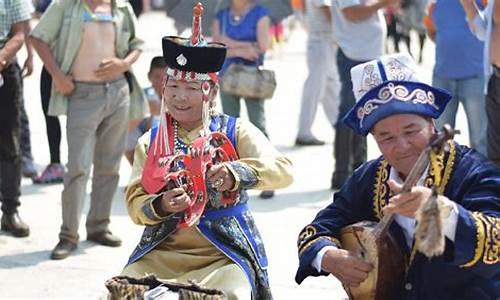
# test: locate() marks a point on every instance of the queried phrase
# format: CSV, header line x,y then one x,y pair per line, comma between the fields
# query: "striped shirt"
x,y
12,12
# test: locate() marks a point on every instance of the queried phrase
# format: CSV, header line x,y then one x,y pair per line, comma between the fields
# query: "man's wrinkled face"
x,y
401,138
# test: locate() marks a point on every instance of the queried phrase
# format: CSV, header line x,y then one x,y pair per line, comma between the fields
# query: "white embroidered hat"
x,y
389,86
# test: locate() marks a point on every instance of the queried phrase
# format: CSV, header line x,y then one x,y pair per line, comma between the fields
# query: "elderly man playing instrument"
x,y
198,226
399,111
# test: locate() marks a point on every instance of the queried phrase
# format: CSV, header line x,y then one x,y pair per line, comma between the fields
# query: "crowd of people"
x,y
88,48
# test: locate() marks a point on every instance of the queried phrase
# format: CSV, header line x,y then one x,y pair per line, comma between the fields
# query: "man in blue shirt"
x,y
486,27
459,68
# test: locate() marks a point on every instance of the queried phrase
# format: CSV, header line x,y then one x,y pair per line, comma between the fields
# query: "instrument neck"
x,y
384,224
411,180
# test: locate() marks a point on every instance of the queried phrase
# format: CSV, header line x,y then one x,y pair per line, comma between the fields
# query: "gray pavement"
x,y
26,270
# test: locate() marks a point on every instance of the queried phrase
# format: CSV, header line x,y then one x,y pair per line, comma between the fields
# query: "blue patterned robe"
x,y
230,228
468,269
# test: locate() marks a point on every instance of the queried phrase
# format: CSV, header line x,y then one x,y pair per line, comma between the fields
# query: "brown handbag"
x,y
249,81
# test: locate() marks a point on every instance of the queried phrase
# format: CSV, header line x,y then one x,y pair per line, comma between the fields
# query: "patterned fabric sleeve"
x,y
477,240
244,176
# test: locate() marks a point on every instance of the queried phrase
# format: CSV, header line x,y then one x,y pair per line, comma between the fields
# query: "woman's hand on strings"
x,y
220,177
175,200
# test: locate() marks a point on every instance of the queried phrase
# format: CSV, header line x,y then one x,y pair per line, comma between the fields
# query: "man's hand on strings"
x,y
406,204
347,268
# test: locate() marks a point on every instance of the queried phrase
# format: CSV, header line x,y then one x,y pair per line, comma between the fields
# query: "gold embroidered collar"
x,y
382,192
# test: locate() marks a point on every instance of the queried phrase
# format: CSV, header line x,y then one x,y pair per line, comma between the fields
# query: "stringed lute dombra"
x,y
373,242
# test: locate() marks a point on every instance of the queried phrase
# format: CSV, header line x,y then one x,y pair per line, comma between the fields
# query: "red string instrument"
x,y
164,169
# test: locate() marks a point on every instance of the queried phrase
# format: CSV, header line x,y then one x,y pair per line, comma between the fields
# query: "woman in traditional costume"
x,y
201,230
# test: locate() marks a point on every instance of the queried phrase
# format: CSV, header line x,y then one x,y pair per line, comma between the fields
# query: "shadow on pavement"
x,y
29,188
292,149
26,259
306,199
119,208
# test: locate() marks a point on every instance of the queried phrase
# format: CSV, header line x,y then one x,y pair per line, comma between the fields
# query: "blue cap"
x,y
390,86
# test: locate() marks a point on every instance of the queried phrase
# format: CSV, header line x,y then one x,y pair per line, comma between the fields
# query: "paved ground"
x,y
27,272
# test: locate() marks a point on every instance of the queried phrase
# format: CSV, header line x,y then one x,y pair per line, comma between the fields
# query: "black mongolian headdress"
x,y
193,58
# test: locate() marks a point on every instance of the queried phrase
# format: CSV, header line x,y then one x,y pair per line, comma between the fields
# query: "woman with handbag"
x,y
244,28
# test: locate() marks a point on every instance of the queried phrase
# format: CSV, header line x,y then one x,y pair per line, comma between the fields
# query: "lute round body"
x,y
382,251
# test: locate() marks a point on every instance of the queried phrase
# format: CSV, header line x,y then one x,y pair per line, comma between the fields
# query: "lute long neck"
x,y
411,180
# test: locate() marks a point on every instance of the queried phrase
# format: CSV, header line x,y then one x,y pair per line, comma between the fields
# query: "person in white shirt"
x,y
322,84
360,30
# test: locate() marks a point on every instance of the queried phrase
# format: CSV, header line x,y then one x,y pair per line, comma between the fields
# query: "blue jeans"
x,y
469,92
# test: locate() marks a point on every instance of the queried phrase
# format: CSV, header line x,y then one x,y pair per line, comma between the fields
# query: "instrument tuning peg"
x,y
449,132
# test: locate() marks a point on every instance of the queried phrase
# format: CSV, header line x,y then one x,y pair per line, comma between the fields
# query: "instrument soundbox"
x,y
372,241
164,169
365,240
